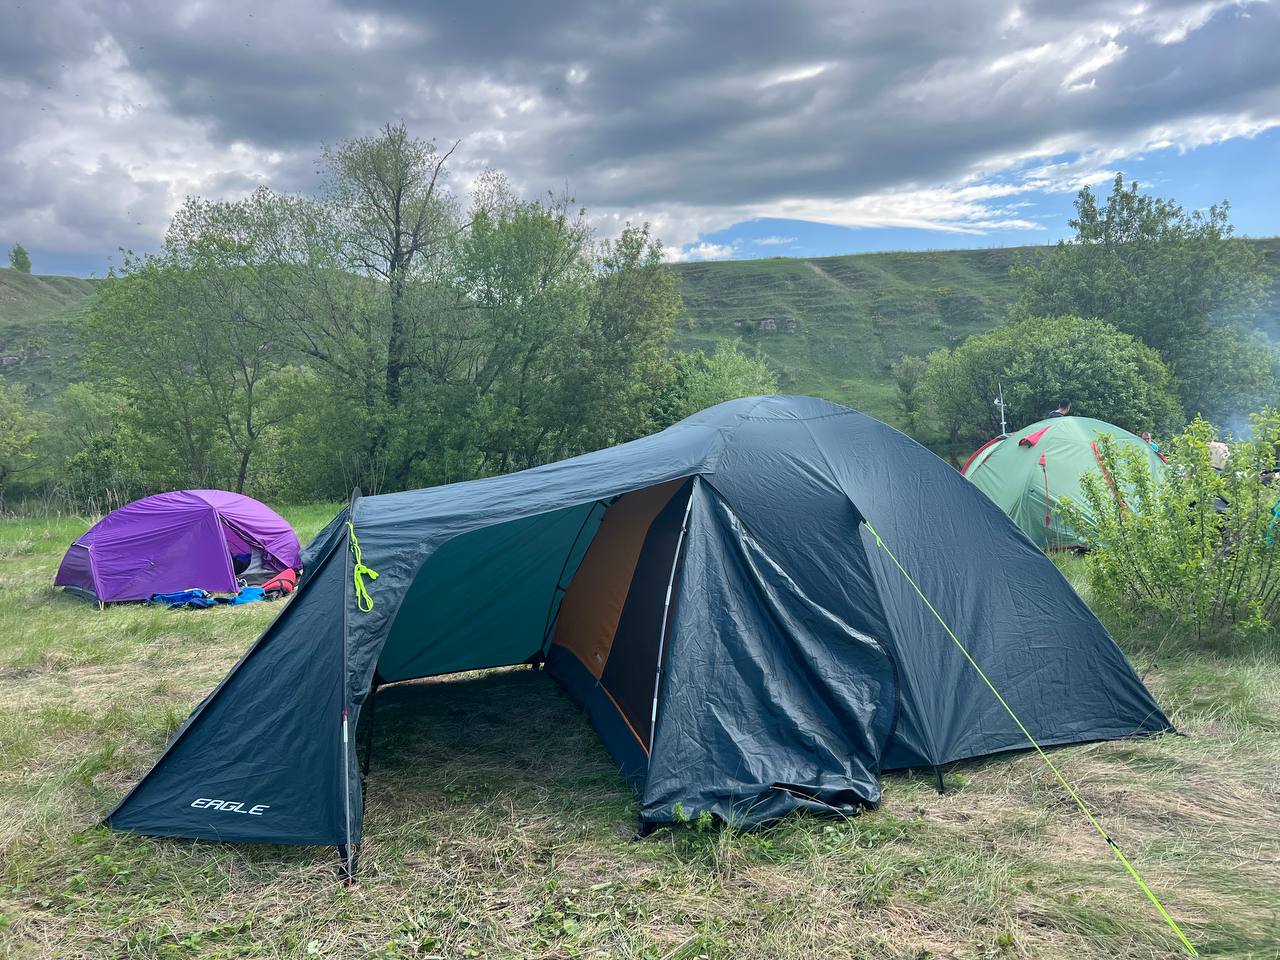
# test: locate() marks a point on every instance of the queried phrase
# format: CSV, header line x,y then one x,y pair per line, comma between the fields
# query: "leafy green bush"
x,y
16,432
698,380
1039,362
1198,547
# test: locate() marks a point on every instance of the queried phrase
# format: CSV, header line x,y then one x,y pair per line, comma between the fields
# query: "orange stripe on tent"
x,y
593,603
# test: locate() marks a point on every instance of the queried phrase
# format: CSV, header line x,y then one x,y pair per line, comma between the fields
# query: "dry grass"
x,y
497,826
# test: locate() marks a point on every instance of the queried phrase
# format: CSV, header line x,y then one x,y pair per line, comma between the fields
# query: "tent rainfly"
x,y
176,541
725,600
1029,473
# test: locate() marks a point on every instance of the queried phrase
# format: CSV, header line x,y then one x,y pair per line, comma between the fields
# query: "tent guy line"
x,y
1066,785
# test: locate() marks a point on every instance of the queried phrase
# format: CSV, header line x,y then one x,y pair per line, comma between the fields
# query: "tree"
x,y
700,380
523,277
17,432
396,218
908,375
946,396
1228,374
633,304
1197,545
359,280
278,262
105,459
1040,361
19,259
1179,281
177,338
557,346
374,336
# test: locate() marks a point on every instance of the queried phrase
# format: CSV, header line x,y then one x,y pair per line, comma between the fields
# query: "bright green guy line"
x,y
1173,924
359,571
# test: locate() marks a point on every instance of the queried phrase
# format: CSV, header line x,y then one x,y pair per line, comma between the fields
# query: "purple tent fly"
x,y
175,541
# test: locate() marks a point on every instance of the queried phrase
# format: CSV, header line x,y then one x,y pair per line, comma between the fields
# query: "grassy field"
x,y
497,826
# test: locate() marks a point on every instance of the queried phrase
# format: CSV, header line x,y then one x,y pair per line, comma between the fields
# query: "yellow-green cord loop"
x,y
358,572
1043,756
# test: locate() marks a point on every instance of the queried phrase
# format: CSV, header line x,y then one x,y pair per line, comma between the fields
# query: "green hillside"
x,y
38,315
831,326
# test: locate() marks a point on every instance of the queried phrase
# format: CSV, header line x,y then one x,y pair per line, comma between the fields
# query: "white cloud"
x,y
970,209
773,241
1075,78
108,166
1173,26
795,74
817,111
699,251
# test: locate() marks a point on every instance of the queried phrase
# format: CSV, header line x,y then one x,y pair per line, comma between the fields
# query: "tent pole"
x,y
551,606
347,850
368,737
666,612
937,772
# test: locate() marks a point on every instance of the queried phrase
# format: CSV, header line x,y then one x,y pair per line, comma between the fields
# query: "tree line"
x,y
1143,318
386,332
390,332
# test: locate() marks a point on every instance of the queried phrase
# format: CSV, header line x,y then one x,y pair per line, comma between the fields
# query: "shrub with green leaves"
x,y
1200,548
1036,363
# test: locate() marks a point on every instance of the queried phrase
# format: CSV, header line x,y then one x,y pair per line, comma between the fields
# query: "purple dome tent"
x,y
175,541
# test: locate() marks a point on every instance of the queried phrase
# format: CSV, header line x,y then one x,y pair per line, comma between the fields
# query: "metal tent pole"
x,y
666,613
347,850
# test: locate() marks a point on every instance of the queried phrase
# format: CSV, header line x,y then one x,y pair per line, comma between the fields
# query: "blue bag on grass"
x,y
183,598
248,595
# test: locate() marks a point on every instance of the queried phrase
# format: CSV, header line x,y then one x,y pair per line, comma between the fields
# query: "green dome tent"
x,y
1030,472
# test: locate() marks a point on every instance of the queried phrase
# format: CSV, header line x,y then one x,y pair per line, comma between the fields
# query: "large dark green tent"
x,y
715,598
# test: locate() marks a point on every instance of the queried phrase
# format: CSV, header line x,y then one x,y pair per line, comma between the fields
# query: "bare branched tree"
x,y
397,217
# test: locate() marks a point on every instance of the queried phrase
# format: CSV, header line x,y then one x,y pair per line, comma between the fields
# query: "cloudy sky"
x,y
737,129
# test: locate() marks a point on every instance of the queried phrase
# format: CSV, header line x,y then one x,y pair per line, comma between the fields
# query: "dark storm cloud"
x,y
691,114
36,44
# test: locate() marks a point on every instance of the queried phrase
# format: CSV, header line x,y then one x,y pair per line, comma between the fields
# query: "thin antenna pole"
x,y
1004,426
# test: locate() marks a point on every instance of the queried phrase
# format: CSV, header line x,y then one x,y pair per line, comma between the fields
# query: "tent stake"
x,y
347,865
937,772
